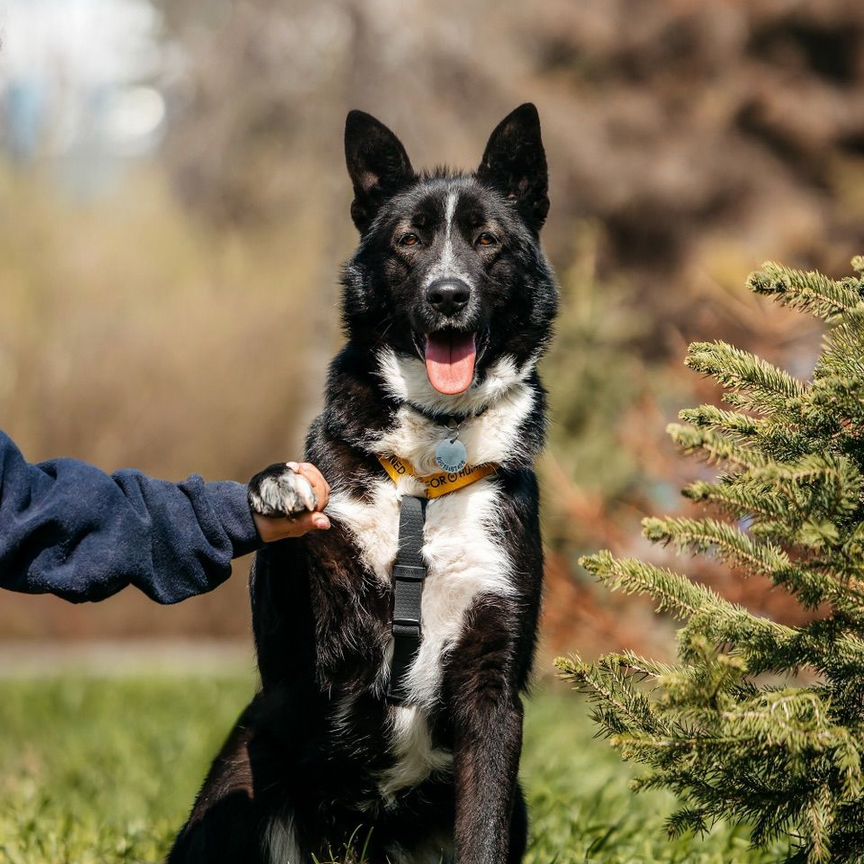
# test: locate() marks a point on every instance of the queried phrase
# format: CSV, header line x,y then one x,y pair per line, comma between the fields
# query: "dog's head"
x,y
449,286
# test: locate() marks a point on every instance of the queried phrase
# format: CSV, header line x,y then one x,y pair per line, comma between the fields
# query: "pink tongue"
x,y
450,362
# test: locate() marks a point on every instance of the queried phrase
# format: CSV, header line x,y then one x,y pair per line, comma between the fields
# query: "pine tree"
x,y
759,722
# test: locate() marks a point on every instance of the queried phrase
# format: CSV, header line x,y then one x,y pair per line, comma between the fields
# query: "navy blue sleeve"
x,y
69,529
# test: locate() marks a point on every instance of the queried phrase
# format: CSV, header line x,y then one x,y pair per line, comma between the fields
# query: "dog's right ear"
x,y
377,163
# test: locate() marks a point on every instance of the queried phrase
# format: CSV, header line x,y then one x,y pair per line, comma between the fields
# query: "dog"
x,y
448,305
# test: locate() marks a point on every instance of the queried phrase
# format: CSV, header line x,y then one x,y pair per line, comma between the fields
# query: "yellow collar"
x,y
438,484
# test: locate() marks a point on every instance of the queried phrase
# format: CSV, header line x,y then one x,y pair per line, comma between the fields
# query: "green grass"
x,y
104,771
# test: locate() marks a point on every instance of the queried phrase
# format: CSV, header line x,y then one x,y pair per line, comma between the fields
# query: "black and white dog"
x,y
448,306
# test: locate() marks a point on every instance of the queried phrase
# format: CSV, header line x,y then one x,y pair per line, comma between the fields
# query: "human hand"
x,y
286,500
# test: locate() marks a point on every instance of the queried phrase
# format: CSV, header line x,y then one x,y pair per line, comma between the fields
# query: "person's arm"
x,y
69,529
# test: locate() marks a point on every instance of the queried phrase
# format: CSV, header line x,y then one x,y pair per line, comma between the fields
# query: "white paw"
x,y
280,491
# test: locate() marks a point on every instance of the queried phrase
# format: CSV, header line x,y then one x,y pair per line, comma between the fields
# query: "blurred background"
x,y
174,213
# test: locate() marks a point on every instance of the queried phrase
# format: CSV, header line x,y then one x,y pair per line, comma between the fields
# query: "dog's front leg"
x,y
487,765
487,735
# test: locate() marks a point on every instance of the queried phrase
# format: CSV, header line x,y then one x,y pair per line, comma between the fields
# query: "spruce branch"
x,y
758,639
695,819
841,353
730,543
758,385
644,666
619,706
742,499
743,426
807,291
756,557
799,502
716,446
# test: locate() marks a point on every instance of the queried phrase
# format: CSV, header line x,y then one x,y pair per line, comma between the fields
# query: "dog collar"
x,y
443,419
440,483
451,456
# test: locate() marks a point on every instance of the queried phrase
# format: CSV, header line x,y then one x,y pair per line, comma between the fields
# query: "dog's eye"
x,y
409,239
486,239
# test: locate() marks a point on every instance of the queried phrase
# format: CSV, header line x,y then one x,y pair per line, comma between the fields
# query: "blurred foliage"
x,y
593,372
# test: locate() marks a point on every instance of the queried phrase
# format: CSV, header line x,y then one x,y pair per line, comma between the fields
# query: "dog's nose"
x,y
448,296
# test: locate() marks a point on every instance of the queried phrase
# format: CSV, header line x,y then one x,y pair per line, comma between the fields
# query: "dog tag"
x,y
451,455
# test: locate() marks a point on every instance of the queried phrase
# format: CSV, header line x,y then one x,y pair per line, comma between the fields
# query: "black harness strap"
x,y
409,572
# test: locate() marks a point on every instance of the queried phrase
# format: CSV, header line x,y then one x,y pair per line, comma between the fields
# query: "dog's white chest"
x,y
466,558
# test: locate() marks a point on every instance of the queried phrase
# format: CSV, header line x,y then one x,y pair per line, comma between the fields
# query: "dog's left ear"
x,y
377,163
515,164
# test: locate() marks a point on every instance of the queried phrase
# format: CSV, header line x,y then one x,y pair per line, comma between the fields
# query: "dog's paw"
x,y
281,491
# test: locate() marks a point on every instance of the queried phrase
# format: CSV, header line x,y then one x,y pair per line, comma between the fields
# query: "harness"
x,y
409,571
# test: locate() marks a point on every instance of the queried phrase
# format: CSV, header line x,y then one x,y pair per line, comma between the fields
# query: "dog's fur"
x,y
319,756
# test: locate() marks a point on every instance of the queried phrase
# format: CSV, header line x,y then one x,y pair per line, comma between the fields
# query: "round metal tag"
x,y
451,456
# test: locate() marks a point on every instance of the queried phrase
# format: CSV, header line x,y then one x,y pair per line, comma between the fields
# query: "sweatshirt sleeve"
x,y
69,529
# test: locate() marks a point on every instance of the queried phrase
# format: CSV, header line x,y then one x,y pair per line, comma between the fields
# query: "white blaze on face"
x,y
449,213
446,266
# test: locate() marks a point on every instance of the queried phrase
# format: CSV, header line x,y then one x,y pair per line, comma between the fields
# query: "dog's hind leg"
x,y
518,828
226,822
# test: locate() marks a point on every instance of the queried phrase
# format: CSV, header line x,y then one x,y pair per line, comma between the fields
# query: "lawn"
x,y
104,770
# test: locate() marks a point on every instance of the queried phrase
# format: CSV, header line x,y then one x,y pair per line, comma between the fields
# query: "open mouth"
x,y
450,361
